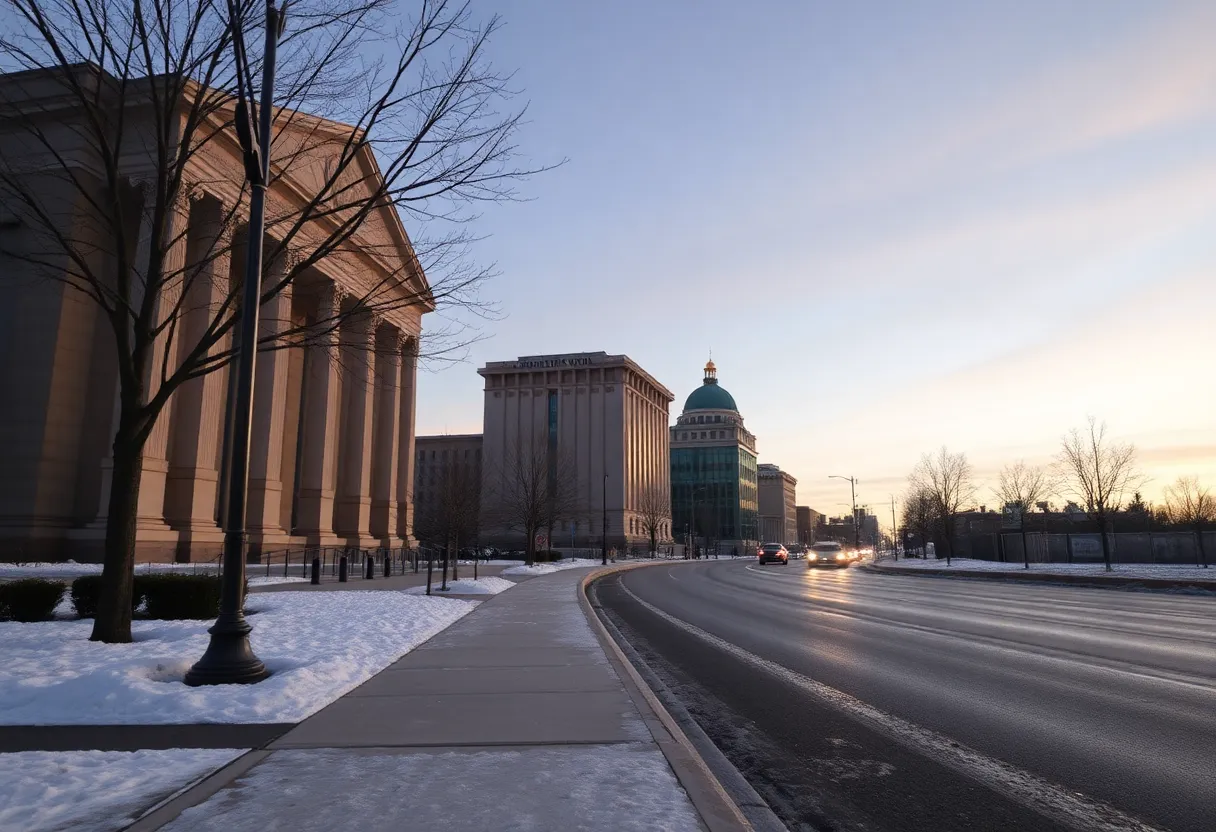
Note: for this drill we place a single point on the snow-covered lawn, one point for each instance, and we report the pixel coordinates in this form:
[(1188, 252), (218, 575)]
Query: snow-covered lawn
[(275, 579), (481, 586), (1123, 570), (41, 791), (317, 645)]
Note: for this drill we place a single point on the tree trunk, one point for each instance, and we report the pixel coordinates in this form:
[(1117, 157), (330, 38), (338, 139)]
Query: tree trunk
[(113, 622), (1203, 555), (530, 545), (653, 543)]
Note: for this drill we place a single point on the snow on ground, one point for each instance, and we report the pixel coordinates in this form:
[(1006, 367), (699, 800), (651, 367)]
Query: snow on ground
[(71, 569), (41, 791), (276, 579), (627, 787), (318, 646), (1123, 570), (481, 586), (547, 568)]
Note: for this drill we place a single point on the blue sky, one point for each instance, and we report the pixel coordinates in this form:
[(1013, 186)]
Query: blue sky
[(897, 225)]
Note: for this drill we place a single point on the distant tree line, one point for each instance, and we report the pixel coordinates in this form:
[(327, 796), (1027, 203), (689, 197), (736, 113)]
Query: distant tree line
[(1097, 477)]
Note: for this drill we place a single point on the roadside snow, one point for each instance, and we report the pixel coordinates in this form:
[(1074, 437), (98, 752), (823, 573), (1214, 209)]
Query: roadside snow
[(41, 791), (1122, 570), (317, 645), (276, 579), (614, 788), (547, 568), (481, 586)]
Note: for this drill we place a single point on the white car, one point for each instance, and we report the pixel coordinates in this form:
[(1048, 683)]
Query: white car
[(828, 553)]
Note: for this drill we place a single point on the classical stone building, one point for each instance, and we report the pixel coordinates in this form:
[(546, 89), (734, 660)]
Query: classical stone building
[(778, 514), (603, 420), (713, 471), (333, 423)]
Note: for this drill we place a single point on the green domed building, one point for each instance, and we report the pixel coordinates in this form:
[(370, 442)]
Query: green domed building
[(713, 472)]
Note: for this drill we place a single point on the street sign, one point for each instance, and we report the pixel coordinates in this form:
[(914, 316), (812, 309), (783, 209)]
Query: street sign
[(1011, 517)]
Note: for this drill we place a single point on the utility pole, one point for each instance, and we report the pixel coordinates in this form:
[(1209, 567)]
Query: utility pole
[(894, 531), (852, 481), (604, 526), (229, 658)]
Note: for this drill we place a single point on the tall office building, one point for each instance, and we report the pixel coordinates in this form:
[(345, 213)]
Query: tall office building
[(447, 488), (713, 471), (598, 423), (778, 514)]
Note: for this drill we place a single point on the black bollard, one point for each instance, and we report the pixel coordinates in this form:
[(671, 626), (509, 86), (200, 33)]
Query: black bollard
[(316, 571), (388, 566), (371, 568), (342, 567)]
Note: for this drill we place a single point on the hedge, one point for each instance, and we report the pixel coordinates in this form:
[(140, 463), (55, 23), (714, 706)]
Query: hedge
[(176, 597), (30, 599)]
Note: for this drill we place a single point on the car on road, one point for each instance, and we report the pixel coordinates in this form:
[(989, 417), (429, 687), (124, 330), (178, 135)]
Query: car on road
[(797, 551), (828, 553), (773, 553)]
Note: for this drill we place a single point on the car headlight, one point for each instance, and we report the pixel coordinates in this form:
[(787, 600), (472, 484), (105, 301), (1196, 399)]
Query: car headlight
[(841, 556), (812, 556)]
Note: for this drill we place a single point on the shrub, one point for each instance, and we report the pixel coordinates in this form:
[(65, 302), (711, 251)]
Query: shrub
[(31, 599), (87, 589), (175, 597)]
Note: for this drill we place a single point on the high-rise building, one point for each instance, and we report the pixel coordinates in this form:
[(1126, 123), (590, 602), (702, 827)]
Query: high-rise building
[(713, 471), (778, 514), (447, 488), (597, 423), (808, 519)]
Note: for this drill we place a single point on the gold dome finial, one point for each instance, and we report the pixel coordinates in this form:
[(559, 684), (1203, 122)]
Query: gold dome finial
[(711, 372)]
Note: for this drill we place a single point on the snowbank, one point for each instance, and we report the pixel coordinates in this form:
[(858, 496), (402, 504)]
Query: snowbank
[(1122, 570), (547, 568), (318, 646), (42, 791), (481, 586)]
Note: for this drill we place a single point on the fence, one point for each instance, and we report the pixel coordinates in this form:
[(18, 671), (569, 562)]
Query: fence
[(1126, 547)]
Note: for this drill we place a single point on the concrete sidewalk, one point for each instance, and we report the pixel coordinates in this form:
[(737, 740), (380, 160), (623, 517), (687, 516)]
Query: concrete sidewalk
[(512, 718)]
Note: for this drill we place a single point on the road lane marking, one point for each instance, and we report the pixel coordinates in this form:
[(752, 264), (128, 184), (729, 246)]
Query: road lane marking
[(1069, 807)]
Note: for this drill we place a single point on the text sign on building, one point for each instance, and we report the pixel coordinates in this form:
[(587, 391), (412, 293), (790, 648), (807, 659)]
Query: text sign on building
[(549, 361)]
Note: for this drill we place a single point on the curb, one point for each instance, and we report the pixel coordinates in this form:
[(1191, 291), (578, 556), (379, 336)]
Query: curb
[(1114, 581), (718, 811)]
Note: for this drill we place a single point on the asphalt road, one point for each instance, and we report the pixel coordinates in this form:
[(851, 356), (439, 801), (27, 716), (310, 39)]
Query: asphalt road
[(852, 700)]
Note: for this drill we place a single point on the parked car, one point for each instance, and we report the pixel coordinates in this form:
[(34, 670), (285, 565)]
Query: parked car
[(828, 553), (773, 553)]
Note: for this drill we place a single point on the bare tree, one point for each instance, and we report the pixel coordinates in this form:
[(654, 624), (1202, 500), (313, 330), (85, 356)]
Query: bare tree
[(1099, 472), (452, 516), (654, 510), (531, 491), (945, 478), (919, 514), (385, 109), (1187, 503), (1021, 487)]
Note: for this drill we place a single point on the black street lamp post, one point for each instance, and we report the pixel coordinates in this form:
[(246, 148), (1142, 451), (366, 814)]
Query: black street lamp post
[(229, 658), (604, 525)]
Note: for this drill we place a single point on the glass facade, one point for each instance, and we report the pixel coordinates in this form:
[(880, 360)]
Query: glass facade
[(714, 494)]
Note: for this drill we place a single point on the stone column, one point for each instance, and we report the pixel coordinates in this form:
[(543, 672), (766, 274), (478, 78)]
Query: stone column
[(405, 440), (262, 517), (352, 514), (198, 411), (319, 443), (385, 436)]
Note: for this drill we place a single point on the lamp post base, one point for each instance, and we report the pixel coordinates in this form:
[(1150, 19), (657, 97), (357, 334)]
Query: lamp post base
[(229, 659)]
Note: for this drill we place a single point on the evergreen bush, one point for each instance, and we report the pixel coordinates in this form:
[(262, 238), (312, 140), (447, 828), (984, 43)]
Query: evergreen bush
[(30, 599)]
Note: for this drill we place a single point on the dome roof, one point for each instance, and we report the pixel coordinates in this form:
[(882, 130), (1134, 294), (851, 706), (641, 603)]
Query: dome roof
[(709, 396)]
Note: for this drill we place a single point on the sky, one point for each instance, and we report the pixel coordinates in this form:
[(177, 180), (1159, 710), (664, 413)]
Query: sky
[(896, 225)]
